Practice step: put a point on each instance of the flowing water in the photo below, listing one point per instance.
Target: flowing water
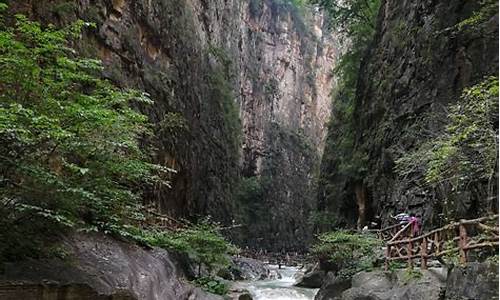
(279, 289)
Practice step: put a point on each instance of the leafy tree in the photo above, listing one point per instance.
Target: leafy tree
(465, 153)
(69, 150)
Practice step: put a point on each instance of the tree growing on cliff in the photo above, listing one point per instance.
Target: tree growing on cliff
(343, 161)
(69, 140)
(464, 155)
(346, 253)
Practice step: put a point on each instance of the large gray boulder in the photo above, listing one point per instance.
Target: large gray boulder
(332, 287)
(249, 269)
(478, 281)
(100, 268)
(368, 286)
(380, 285)
(312, 278)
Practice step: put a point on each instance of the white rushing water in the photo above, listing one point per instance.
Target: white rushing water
(279, 289)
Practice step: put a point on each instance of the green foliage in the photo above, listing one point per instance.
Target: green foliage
(488, 8)
(221, 91)
(451, 256)
(411, 274)
(466, 151)
(396, 265)
(203, 243)
(299, 3)
(350, 252)
(355, 19)
(212, 285)
(69, 150)
(321, 218)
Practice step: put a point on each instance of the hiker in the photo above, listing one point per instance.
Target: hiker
(402, 218)
(415, 224)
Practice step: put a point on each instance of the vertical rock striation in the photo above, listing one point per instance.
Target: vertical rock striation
(422, 57)
(252, 81)
(286, 61)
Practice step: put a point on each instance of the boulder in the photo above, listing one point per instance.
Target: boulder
(332, 287)
(379, 285)
(368, 286)
(239, 294)
(100, 267)
(478, 281)
(250, 269)
(313, 279)
(374, 281)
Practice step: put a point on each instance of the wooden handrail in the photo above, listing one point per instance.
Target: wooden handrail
(418, 247)
(399, 232)
(444, 228)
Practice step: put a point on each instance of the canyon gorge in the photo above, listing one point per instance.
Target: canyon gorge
(252, 117)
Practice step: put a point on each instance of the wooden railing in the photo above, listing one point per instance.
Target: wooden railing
(461, 237)
(387, 233)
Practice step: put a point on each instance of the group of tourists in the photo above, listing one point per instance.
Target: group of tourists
(402, 218)
(414, 220)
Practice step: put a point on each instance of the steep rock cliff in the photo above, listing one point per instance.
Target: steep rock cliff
(286, 62)
(421, 59)
(252, 81)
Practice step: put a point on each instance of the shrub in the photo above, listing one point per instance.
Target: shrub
(212, 285)
(203, 243)
(348, 252)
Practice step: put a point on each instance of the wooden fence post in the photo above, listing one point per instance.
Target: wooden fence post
(410, 248)
(387, 257)
(462, 242)
(423, 253)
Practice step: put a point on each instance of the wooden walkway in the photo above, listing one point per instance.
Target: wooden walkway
(458, 237)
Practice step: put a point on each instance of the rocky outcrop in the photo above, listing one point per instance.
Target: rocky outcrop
(98, 267)
(477, 281)
(473, 281)
(313, 278)
(250, 269)
(333, 287)
(378, 285)
(421, 58)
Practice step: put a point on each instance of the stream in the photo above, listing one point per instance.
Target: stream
(278, 289)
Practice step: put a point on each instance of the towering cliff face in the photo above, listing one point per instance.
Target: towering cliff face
(423, 55)
(285, 62)
(250, 78)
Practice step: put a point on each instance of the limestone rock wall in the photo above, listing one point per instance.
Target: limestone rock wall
(286, 60)
(419, 62)
(251, 79)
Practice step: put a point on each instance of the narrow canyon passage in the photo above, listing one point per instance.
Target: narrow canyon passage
(249, 149)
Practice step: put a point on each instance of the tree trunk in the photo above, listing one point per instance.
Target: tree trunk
(360, 191)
